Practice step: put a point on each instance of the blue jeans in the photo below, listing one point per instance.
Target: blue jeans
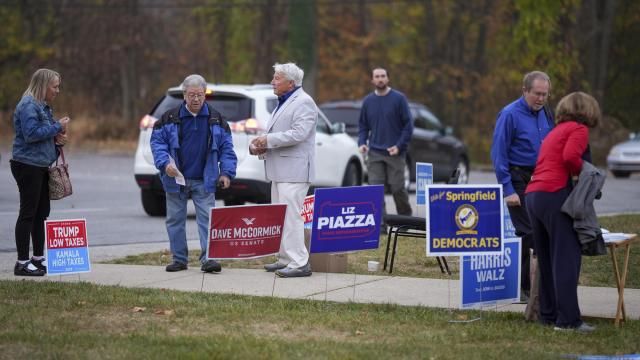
(177, 219)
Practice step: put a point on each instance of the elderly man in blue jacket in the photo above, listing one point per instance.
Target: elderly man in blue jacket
(193, 149)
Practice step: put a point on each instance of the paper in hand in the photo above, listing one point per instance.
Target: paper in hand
(179, 178)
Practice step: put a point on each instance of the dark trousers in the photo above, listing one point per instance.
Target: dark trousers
(520, 219)
(34, 207)
(559, 258)
(389, 171)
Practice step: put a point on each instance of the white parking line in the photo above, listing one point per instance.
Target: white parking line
(64, 211)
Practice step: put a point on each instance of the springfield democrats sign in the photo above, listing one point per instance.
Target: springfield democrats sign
(347, 219)
(464, 220)
(245, 232)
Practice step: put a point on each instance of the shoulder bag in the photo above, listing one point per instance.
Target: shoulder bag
(59, 181)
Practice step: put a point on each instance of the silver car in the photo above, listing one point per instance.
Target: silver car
(624, 158)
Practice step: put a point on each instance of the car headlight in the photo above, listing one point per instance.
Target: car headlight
(615, 152)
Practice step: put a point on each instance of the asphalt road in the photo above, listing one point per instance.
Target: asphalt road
(106, 195)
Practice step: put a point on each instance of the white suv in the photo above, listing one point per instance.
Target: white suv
(247, 108)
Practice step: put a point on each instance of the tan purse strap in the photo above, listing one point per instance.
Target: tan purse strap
(61, 156)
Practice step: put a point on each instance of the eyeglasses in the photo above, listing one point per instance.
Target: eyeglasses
(195, 96)
(540, 94)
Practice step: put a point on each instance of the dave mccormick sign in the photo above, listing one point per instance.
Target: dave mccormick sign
(245, 232)
(67, 246)
(347, 219)
(464, 220)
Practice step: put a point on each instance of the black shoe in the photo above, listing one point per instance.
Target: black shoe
(39, 264)
(211, 266)
(24, 270)
(176, 266)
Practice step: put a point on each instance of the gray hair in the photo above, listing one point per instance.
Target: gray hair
(290, 71)
(527, 81)
(194, 80)
(39, 82)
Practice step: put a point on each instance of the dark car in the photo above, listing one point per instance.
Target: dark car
(431, 142)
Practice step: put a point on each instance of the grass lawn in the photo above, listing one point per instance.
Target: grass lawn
(411, 259)
(80, 321)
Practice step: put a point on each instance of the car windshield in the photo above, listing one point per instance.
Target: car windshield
(232, 108)
(349, 116)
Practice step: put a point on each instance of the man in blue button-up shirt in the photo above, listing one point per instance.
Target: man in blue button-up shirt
(520, 128)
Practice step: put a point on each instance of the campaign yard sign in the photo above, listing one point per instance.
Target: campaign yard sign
(491, 279)
(307, 211)
(245, 232)
(67, 247)
(424, 177)
(509, 229)
(464, 220)
(347, 219)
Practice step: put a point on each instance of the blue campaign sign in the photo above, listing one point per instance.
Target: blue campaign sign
(424, 177)
(509, 229)
(347, 219)
(491, 279)
(464, 220)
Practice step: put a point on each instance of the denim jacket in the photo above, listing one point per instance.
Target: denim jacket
(35, 129)
(221, 158)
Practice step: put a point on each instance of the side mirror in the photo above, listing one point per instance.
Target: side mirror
(446, 131)
(338, 128)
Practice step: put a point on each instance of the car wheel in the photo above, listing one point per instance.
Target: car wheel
(352, 175)
(153, 204)
(621, 174)
(463, 166)
(233, 202)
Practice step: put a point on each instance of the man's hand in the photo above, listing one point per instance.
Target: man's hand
(60, 139)
(393, 151)
(258, 146)
(363, 149)
(224, 181)
(513, 200)
(171, 170)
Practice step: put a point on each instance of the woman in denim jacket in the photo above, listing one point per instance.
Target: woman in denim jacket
(37, 135)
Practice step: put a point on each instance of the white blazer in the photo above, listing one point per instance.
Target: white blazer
(291, 137)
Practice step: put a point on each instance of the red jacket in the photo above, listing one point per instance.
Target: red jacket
(560, 157)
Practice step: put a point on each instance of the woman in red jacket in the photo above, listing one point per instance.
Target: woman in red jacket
(555, 241)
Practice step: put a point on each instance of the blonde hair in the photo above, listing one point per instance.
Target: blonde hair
(39, 82)
(579, 107)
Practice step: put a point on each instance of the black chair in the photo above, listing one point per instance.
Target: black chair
(411, 226)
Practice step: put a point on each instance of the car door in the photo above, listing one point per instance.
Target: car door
(330, 155)
(429, 143)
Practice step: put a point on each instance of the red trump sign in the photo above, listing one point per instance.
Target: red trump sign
(245, 232)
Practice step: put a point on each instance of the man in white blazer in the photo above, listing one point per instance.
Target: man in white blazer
(288, 150)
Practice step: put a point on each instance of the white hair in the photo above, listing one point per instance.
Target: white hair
(194, 80)
(290, 71)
